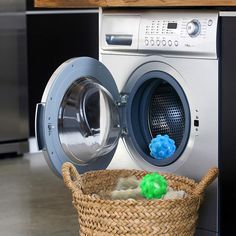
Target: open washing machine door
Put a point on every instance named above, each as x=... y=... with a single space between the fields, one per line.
x=78 y=118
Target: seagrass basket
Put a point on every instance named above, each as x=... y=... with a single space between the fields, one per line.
x=102 y=216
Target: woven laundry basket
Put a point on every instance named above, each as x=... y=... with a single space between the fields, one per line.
x=102 y=216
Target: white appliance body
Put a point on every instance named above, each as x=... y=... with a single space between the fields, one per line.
x=194 y=64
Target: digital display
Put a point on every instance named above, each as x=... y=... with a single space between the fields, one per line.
x=172 y=26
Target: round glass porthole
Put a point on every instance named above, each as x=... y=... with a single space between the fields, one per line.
x=158 y=105
x=88 y=121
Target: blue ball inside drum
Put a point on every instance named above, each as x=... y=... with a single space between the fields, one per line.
x=162 y=147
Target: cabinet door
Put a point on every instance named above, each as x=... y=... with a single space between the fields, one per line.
x=53 y=39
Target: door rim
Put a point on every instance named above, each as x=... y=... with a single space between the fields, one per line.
x=57 y=86
x=130 y=88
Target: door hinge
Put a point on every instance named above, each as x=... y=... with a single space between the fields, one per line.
x=123 y=99
x=124 y=131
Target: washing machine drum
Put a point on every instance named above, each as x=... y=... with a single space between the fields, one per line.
x=82 y=115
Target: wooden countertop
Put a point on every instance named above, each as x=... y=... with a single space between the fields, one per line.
x=130 y=3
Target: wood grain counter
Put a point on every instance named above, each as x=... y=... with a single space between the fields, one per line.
x=130 y=3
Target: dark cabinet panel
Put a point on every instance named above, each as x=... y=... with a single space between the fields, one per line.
x=53 y=39
x=227 y=135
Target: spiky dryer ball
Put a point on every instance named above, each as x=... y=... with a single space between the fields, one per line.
x=153 y=186
x=162 y=147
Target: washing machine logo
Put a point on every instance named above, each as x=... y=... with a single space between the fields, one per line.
x=187 y=45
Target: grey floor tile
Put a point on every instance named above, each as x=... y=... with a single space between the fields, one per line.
x=33 y=201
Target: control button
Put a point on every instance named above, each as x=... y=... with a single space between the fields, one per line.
x=176 y=43
x=196 y=123
x=210 y=22
x=152 y=42
x=170 y=43
x=193 y=28
x=163 y=42
x=158 y=42
x=146 y=42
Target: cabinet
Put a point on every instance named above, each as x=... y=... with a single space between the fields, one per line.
x=133 y=3
x=54 y=37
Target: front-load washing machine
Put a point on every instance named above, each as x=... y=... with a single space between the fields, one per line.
x=157 y=74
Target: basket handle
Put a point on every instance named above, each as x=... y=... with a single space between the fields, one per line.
x=71 y=177
x=206 y=180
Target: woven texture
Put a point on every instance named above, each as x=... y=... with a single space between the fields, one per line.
x=102 y=216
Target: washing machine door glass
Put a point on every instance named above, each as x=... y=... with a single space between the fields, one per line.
x=88 y=121
x=78 y=119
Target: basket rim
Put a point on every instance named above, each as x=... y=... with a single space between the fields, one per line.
x=76 y=183
x=137 y=201
x=140 y=171
x=187 y=198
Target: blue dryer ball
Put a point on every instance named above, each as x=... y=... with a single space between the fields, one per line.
x=162 y=147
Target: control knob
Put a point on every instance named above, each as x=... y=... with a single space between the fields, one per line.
x=193 y=28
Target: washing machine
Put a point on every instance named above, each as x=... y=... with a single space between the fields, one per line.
x=157 y=74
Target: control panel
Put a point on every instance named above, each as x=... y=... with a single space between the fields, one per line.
x=173 y=32
x=179 y=33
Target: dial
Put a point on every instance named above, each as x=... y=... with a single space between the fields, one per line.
x=193 y=28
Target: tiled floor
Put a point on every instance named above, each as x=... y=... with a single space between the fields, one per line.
x=34 y=202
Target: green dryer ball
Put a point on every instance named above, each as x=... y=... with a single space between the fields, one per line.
x=153 y=186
